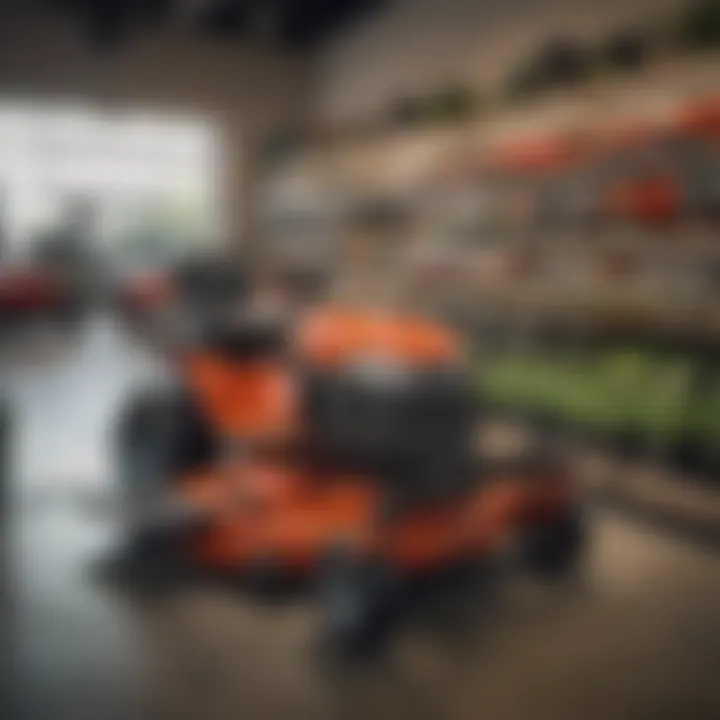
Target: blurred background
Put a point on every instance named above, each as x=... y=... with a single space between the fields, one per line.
x=542 y=175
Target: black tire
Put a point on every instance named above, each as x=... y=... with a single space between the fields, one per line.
x=360 y=600
x=159 y=437
x=166 y=433
x=553 y=550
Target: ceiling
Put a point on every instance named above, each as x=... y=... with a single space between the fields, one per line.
x=294 y=23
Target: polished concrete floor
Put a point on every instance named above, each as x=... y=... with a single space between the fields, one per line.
x=639 y=637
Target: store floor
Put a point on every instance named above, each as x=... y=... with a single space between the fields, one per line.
x=640 y=638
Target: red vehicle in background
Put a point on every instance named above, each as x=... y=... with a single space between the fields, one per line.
x=30 y=293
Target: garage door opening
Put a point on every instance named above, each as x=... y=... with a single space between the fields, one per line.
x=137 y=188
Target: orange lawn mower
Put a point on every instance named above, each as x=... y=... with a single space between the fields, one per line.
x=339 y=453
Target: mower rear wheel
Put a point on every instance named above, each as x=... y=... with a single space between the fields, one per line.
x=554 y=549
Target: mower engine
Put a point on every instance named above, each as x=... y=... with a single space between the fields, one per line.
x=409 y=427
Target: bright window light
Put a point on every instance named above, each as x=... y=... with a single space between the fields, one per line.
x=141 y=174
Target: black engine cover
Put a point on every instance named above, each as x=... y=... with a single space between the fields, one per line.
x=412 y=428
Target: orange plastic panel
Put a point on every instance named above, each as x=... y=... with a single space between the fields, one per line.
x=336 y=337
x=249 y=400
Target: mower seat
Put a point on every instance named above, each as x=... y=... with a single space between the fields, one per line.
x=253 y=338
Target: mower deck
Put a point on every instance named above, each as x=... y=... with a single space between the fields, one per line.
x=284 y=517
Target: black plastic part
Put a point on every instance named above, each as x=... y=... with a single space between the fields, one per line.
x=553 y=549
x=361 y=599
x=170 y=429
x=416 y=435
x=248 y=340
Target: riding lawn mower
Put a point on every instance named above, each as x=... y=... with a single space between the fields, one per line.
x=337 y=452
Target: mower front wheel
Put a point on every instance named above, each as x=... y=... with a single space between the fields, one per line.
x=161 y=435
x=360 y=599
